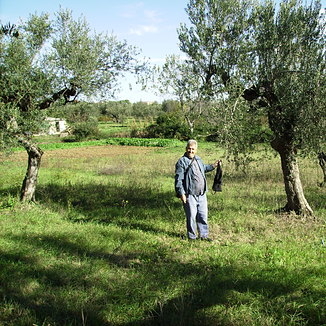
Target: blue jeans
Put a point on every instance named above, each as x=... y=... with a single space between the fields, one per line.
x=196 y=215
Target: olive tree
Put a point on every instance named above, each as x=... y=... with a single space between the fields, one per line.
x=44 y=61
x=177 y=79
x=265 y=59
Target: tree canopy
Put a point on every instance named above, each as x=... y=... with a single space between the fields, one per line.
x=260 y=59
x=43 y=61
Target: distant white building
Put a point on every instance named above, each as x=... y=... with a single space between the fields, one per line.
x=56 y=126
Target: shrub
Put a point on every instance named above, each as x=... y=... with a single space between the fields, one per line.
x=85 y=130
x=169 y=125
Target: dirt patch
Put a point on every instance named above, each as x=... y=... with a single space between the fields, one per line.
x=82 y=152
x=97 y=151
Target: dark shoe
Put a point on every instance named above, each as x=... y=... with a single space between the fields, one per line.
x=206 y=239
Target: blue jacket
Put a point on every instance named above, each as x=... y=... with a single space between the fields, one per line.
x=183 y=175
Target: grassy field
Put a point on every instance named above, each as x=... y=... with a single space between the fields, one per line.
x=105 y=244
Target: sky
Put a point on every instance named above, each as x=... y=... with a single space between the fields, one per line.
x=150 y=25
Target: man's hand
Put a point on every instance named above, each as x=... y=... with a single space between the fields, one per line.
x=217 y=163
x=183 y=198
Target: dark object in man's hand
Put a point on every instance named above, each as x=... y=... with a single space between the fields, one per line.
x=217 y=185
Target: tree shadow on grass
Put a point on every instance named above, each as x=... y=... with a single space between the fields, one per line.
x=41 y=292
x=63 y=291
x=136 y=207
x=52 y=299
x=10 y=192
x=218 y=292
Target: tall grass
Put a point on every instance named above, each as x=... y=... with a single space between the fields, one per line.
x=105 y=244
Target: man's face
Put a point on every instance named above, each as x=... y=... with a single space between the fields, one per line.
x=191 y=150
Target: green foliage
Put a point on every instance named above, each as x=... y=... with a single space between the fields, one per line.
x=121 y=111
x=38 y=29
x=296 y=70
x=145 y=110
x=170 y=106
x=273 y=57
x=169 y=125
x=117 y=111
x=84 y=130
x=22 y=82
x=45 y=61
x=147 y=142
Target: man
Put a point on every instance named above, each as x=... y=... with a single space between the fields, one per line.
x=191 y=187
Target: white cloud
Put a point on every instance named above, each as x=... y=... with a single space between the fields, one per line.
x=153 y=16
x=143 y=29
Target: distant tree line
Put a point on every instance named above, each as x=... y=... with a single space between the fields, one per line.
x=161 y=120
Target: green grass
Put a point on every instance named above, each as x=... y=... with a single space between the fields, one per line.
x=111 y=129
x=105 y=244
x=122 y=141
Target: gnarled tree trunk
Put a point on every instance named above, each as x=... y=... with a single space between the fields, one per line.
x=322 y=163
x=34 y=161
x=296 y=200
